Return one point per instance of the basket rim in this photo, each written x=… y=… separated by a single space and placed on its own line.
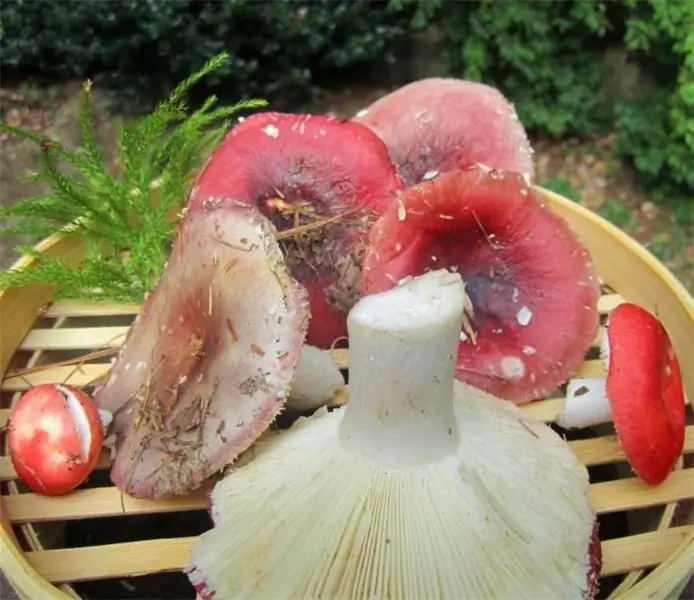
x=660 y=584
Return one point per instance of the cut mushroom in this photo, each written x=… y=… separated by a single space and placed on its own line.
x=421 y=487
x=642 y=393
x=316 y=380
x=532 y=292
x=317 y=179
x=436 y=125
x=207 y=364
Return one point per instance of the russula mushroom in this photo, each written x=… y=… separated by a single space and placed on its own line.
x=532 y=291
x=421 y=487
x=316 y=380
x=642 y=393
x=206 y=365
x=435 y=125
x=54 y=435
x=317 y=179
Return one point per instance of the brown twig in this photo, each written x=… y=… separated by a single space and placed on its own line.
x=64 y=363
x=301 y=229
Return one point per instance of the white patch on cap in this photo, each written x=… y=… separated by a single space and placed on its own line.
x=430 y=175
x=402 y=213
x=271 y=131
x=79 y=420
x=529 y=350
x=512 y=367
x=524 y=316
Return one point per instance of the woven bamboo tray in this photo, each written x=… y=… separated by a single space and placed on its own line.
x=653 y=559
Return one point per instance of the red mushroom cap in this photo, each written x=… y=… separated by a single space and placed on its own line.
x=55 y=438
x=645 y=390
x=281 y=162
x=443 y=124
x=530 y=281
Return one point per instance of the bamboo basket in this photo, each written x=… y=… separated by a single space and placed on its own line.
x=653 y=560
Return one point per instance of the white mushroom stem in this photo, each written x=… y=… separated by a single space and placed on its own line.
x=586 y=404
x=316 y=380
x=423 y=487
x=403 y=348
x=106 y=418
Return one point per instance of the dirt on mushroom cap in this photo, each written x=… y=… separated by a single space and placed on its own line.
x=531 y=283
x=206 y=366
x=318 y=179
x=437 y=125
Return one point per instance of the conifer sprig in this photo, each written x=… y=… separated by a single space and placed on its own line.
x=126 y=215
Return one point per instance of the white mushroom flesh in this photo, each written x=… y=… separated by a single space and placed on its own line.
x=586 y=403
x=316 y=380
x=421 y=487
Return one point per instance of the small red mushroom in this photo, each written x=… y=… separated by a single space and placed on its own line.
x=55 y=434
x=436 y=125
x=301 y=170
x=642 y=393
x=532 y=311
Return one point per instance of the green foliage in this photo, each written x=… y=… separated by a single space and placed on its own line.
x=549 y=59
x=133 y=210
x=563 y=187
x=278 y=50
x=656 y=126
x=545 y=56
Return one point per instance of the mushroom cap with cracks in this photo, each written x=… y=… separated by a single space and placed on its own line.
x=642 y=393
x=421 y=487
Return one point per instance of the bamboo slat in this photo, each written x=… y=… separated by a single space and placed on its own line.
x=83 y=338
x=596 y=451
x=75 y=308
x=85 y=375
x=628 y=269
x=160 y=556
x=606 y=497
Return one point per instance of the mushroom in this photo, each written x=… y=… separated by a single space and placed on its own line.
x=317 y=179
x=436 y=125
x=421 y=487
x=54 y=435
x=531 y=287
x=317 y=379
x=642 y=393
x=206 y=366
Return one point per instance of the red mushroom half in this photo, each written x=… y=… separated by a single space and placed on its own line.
x=54 y=435
x=436 y=125
x=531 y=287
x=319 y=177
x=207 y=364
x=642 y=393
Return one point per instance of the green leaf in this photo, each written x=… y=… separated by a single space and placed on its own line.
x=128 y=210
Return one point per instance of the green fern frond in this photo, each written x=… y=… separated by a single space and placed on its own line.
x=128 y=210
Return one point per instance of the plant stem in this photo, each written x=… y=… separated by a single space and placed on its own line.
x=403 y=345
